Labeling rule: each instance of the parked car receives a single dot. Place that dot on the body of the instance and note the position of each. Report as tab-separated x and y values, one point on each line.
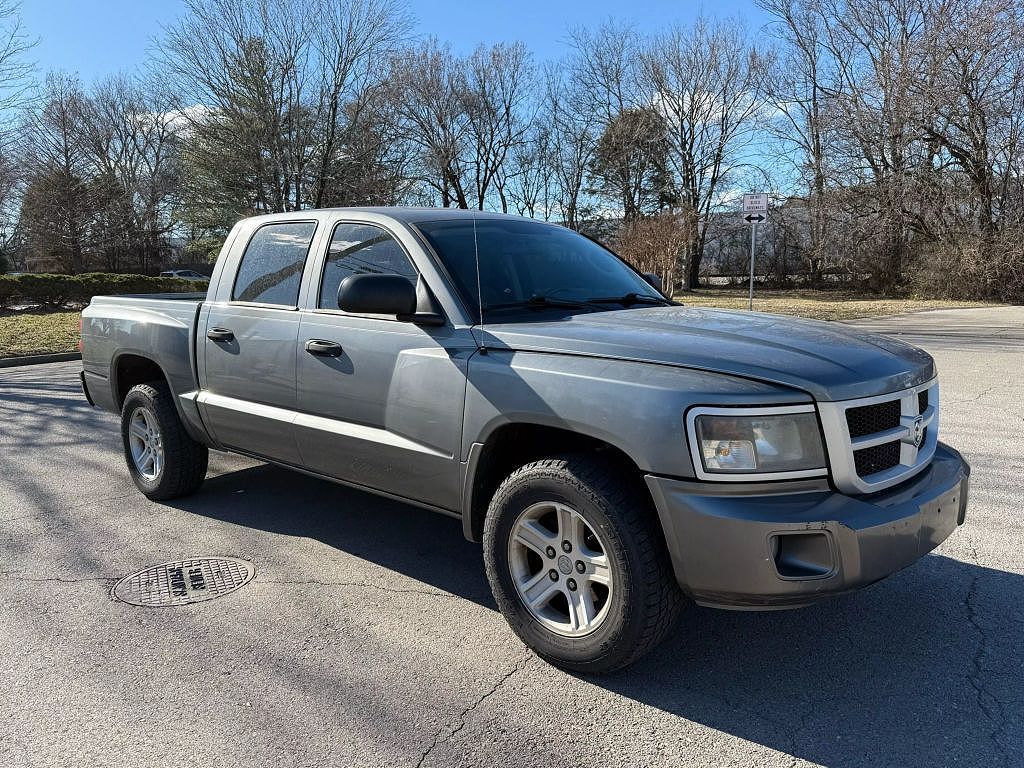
185	274
616	453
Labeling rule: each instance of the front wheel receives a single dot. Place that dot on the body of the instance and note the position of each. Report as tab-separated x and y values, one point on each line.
578	564
163	460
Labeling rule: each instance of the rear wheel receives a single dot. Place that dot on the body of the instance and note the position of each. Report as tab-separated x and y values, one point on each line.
164	462
578	564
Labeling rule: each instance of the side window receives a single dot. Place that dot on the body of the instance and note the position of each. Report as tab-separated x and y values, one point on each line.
360	249
271	268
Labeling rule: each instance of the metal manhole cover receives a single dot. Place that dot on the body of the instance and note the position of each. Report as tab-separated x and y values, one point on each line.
184	581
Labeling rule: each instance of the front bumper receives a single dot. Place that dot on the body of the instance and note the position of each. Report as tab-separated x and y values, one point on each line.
771	547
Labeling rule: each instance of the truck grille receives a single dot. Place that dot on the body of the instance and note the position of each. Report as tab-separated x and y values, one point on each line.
868	461
869	419
874	443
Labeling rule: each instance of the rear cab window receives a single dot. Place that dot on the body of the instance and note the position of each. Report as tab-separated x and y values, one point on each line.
270	271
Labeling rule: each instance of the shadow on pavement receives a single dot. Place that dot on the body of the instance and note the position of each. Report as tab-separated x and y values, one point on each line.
415	542
919	670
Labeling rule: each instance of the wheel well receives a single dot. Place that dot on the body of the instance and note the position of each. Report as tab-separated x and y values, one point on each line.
514	445
132	370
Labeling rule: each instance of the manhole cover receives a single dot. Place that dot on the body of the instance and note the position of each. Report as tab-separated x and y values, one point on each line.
184	581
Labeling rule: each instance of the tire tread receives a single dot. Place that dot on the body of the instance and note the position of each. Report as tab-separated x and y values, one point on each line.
628	499
185	460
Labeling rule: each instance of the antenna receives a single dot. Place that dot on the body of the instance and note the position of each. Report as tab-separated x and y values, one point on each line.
479	292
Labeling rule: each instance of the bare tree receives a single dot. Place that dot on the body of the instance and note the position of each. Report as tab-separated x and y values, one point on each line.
354	41
702	81
15	69
574	135
498	84
874	48
130	132
465	117
972	99
270	90
530	182
427	95
796	87
605	99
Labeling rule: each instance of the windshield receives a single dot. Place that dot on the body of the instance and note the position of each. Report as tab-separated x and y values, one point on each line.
530	269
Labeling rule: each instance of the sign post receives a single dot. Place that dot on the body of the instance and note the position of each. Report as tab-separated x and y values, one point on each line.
755	209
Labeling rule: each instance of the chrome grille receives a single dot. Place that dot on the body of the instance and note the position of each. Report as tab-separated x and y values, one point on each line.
877	442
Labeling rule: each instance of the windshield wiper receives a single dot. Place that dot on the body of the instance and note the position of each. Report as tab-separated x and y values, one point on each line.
539	302
629	299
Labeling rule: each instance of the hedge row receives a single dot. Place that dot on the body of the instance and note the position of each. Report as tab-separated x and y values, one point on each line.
65	290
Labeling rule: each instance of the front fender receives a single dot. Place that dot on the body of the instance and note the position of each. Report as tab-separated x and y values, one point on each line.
636	407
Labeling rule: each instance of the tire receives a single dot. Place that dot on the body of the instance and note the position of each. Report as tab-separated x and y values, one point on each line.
177	466
642	601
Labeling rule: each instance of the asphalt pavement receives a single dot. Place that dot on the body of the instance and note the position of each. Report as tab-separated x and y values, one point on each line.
369	637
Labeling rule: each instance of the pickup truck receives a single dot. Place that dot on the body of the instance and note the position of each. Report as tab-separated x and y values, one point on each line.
617	454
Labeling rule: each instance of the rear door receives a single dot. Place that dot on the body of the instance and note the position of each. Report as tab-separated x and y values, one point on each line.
249	338
384	411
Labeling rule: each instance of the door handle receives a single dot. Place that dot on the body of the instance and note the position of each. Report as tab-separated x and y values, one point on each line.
220	334
323	348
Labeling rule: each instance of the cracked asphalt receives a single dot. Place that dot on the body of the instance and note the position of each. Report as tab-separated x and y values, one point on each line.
369	637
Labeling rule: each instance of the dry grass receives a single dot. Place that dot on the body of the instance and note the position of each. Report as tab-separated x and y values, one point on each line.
38	333
818	305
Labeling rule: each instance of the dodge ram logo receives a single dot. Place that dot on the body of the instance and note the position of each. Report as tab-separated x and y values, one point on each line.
917	431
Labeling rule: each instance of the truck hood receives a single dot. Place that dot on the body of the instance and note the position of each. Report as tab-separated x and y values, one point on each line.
828	360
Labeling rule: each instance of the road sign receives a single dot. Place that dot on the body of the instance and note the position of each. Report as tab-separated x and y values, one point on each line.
755	210
755	203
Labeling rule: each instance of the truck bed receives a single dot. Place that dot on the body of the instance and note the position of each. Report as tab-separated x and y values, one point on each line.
156	327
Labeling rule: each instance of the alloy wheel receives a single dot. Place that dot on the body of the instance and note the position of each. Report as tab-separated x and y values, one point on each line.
560	568
146	443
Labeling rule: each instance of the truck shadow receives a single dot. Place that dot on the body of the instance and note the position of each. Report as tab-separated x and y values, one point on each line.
415	542
921	669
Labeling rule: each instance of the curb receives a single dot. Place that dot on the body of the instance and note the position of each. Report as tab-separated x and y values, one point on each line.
60	357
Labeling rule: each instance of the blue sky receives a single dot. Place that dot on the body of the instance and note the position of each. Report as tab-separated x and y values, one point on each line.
98	37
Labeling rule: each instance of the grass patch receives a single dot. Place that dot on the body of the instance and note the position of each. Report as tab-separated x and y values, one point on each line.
817	305
38	332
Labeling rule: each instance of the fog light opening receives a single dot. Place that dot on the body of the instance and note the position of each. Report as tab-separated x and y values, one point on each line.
802	555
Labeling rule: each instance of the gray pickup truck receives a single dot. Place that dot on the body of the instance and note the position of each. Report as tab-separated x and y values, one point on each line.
615	452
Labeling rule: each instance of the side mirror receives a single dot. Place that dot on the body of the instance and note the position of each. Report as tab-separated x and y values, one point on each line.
377	295
655	280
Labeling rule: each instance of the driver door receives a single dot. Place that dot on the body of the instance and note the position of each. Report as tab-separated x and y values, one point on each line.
385	411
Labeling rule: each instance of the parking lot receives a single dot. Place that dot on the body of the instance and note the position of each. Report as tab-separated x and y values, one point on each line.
369	637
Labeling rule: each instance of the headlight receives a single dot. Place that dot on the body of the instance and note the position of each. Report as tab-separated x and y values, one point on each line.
769	443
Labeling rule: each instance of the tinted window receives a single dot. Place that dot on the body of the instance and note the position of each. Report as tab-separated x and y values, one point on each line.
361	249
271	267
523	260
